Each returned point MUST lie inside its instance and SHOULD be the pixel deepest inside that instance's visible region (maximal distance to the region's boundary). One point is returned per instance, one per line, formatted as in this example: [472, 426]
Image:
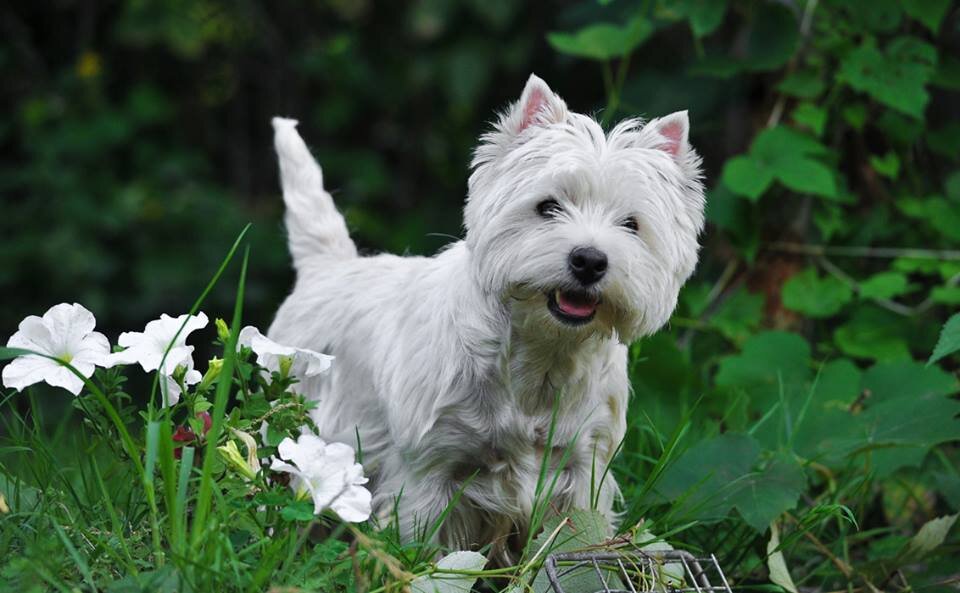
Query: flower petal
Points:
[27, 370]
[69, 323]
[33, 334]
[353, 505]
[61, 376]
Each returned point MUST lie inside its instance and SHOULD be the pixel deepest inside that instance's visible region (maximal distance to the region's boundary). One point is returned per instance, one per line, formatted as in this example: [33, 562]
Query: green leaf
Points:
[803, 84]
[827, 419]
[781, 142]
[806, 176]
[704, 477]
[940, 213]
[947, 295]
[767, 361]
[603, 41]
[580, 529]
[884, 285]
[888, 165]
[874, 334]
[763, 496]
[814, 296]
[949, 341]
[439, 582]
[739, 315]
[906, 379]
[896, 77]
[810, 116]
[928, 12]
[299, 510]
[784, 154]
[746, 177]
[704, 15]
[855, 115]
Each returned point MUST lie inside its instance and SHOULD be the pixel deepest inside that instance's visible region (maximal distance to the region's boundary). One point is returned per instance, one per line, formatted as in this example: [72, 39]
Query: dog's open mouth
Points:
[573, 307]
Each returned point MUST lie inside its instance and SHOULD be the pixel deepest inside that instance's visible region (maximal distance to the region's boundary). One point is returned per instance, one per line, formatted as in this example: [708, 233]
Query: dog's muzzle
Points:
[573, 307]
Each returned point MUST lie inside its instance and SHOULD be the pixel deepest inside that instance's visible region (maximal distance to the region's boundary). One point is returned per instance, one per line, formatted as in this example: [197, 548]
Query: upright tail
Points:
[313, 224]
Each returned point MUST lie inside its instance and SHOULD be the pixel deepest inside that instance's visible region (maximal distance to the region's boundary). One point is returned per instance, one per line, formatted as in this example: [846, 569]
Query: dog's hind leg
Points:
[314, 225]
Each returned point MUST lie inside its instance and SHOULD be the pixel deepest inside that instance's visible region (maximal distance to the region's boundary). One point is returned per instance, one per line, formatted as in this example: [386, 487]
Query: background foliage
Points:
[136, 144]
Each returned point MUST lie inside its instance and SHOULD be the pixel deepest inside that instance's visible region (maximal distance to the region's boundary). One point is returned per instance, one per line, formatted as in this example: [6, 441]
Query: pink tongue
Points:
[575, 309]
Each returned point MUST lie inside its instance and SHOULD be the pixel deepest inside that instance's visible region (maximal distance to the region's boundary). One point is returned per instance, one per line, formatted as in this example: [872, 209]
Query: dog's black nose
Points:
[588, 264]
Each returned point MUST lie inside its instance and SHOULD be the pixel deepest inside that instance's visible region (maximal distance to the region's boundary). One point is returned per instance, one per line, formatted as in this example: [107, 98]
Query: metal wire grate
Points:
[632, 570]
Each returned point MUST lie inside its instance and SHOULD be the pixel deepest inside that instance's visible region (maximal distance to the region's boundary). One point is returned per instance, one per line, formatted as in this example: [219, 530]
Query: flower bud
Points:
[213, 371]
[285, 363]
[232, 457]
[223, 332]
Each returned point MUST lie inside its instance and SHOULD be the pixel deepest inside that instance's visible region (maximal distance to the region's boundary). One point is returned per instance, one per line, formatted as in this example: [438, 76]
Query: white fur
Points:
[449, 366]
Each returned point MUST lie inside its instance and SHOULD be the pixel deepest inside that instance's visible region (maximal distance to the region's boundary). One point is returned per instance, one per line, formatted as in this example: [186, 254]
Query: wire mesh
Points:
[631, 570]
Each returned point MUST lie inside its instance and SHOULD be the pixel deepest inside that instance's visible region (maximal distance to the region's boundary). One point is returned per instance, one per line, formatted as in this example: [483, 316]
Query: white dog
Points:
[449, 367]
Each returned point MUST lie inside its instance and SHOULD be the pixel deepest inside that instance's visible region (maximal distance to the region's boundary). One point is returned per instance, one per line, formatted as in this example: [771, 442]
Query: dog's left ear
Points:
[670, 134]
[538, 106]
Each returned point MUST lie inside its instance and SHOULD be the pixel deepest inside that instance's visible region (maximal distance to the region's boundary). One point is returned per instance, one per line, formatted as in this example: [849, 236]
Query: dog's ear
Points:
[670, 134]
[538, 105]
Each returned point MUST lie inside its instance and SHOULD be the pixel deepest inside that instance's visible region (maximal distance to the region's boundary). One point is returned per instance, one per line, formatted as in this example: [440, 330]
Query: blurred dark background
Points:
[136, 135]
[136, 138]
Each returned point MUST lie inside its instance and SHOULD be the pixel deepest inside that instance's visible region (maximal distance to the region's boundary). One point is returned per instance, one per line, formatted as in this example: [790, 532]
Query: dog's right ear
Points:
[538, 106]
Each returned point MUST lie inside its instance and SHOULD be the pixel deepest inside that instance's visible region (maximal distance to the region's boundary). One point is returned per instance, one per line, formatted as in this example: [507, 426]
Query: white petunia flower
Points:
[65, 332]
[270, 355]
[147, 347]
[329, 473]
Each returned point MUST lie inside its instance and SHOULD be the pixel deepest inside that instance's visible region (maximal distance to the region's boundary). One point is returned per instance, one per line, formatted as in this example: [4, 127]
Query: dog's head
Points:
[580, 229]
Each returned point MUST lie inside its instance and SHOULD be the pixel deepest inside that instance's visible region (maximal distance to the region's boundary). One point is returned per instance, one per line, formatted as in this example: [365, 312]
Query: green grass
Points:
[96, 499]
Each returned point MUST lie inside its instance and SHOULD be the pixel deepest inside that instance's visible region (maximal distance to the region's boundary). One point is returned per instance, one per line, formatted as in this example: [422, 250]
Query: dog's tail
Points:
[314, 225]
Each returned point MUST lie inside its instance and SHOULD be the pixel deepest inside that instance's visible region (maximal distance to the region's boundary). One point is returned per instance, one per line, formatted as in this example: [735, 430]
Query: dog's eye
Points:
[549, 208]
[630, 224]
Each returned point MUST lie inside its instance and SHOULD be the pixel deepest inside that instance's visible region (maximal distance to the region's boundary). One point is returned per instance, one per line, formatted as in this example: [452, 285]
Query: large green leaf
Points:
[816, 296]
[569, 532]
[896, 77]
[908, 380]
[703, 480]
[768, 360]
[603, 41]
[746, 176]
[783, 154]
[874, 334]
[949, 341]
[763, 496]
[928, 12]
[825, 420]
[806, 176]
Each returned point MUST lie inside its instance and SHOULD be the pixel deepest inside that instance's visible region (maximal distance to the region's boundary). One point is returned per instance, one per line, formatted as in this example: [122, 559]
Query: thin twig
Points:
[847, 279]
[864, 251]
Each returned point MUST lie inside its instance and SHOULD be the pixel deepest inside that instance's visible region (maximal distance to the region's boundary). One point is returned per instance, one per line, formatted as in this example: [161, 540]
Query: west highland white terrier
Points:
[452, 369]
